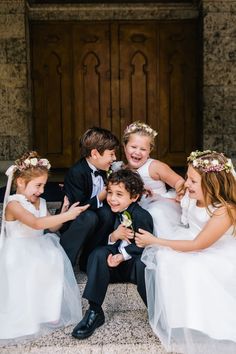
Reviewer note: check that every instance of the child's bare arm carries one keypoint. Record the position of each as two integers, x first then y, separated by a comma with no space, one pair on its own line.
160,171
15,211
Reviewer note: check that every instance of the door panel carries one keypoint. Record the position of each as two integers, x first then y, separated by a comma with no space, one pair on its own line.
51,63
110,74
138,73
178,95
92,78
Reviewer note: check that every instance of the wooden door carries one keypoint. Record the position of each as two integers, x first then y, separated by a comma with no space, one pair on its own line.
110,74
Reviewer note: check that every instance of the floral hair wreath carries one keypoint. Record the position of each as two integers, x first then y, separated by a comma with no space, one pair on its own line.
32,162
209,165
138,126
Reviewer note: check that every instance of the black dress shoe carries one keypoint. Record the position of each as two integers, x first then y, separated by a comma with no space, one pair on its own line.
88,324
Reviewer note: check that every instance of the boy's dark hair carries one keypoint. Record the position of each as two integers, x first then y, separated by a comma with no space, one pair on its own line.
131,180
97,138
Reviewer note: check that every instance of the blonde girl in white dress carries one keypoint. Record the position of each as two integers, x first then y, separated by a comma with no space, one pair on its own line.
163,205
38,290
191,272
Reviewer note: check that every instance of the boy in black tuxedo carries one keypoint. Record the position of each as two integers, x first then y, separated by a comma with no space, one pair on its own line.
84,182
120,260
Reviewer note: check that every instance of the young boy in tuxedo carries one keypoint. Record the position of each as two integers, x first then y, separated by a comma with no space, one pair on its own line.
120,260
85,182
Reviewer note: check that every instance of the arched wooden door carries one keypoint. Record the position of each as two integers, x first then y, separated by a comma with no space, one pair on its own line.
110,74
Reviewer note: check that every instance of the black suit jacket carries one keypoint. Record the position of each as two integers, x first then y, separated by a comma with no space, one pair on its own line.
141,219
78,184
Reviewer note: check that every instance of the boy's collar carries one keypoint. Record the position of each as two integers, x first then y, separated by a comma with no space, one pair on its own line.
130,207
93,168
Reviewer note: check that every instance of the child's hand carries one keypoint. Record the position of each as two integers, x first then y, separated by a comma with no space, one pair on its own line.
148,192
144,238
122,233
179,196
114,260
180,190
103,194
76,210
65,205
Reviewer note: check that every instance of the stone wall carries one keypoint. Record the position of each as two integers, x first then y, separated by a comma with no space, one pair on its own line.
14,90
219,76
219,69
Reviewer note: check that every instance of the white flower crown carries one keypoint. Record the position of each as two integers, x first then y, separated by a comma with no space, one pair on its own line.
138,126
32,162
207,164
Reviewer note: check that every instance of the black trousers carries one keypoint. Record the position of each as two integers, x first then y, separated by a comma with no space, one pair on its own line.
89,230
100,275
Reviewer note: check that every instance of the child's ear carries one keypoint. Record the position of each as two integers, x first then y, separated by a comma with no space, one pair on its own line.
94,154
135,198
20,182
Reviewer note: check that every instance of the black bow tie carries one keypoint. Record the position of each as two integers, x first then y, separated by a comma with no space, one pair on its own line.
97,173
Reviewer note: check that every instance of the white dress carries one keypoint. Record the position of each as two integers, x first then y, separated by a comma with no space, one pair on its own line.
38,290
165,211
192,295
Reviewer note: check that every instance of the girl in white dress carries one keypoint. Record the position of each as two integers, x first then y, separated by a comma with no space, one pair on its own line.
38,290
163,205
191,272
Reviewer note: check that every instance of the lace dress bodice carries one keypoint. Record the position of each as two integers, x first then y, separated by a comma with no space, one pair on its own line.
16,228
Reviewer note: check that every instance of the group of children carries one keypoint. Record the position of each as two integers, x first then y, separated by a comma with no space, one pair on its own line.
177,246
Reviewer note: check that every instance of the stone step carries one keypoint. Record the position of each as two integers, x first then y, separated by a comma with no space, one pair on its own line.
119,297
124,332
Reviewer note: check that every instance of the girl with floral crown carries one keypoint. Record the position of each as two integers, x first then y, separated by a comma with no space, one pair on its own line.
138,142
38,290
191,273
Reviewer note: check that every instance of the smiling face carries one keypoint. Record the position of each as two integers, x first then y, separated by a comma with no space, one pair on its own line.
137,150
33,189
118,197
102,161
193,183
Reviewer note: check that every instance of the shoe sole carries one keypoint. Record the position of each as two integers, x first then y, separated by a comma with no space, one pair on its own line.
84,336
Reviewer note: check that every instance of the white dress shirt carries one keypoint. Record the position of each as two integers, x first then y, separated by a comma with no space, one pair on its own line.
98,184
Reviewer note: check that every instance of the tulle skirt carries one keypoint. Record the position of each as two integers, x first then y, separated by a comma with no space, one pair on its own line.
165,212
38,290
192,298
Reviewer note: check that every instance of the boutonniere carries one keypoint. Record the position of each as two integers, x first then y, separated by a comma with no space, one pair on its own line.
126,219
109,172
